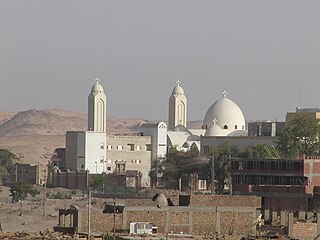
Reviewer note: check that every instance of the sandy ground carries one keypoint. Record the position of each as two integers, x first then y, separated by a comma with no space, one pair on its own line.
32,219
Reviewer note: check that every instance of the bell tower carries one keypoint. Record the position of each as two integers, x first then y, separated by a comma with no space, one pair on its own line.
97,106
177,107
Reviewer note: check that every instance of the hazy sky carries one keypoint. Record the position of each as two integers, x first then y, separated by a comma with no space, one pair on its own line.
264,53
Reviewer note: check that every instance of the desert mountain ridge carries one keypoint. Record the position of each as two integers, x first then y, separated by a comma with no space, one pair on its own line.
33,135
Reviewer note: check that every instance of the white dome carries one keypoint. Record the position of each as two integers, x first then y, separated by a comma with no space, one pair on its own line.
96,88
214,130
226,114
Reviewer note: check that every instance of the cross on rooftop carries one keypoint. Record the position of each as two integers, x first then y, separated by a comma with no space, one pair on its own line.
214,121
97,79
178,82
224,93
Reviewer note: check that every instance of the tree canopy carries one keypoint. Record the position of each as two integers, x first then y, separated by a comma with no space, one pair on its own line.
20,190
7,159
300,137
174,166
178,165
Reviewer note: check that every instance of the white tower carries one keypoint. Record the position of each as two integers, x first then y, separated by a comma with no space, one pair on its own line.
177,107
97,106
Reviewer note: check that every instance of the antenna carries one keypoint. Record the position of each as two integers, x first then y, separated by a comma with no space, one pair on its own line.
299,100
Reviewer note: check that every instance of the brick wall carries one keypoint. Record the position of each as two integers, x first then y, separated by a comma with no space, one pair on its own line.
304,229
234,213
221,200
236,222
204,222
101,222
130,202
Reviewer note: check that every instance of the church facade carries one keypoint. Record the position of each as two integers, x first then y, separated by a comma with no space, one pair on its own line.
97,152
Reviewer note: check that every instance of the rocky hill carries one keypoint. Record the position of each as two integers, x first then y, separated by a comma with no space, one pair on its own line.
57,122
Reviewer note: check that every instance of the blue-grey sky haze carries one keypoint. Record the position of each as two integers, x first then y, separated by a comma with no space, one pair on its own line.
264,53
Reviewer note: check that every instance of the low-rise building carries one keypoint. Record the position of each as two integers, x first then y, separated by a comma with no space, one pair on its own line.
283,184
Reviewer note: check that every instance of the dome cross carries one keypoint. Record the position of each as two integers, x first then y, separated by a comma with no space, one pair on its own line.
97,79
214,121
178,82
225,93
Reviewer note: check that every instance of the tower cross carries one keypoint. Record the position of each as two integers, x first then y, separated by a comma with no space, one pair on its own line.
97,79
224,93
178,82
214,121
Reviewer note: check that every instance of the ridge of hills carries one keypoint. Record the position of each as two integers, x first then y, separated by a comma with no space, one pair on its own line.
33,135
56,122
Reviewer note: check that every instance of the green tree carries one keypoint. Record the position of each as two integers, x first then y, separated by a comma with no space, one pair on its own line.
221,156
7,159
174,166
96,182
300,137
20,190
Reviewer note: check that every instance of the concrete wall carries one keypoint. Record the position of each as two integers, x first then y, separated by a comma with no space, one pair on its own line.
70,180
75,141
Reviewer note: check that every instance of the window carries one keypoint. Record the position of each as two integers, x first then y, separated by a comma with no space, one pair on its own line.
109,168
109,147
119,147
101,159
225,127
130,147
82,166
101,145
148,147
235,127
202,185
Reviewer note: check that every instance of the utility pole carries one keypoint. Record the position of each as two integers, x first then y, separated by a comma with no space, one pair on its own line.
89,214
213,187
114,218
44,196
230,176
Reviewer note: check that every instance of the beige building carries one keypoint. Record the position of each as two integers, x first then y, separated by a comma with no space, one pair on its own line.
132,151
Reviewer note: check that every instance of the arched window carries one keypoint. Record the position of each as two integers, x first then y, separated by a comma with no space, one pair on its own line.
225,127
